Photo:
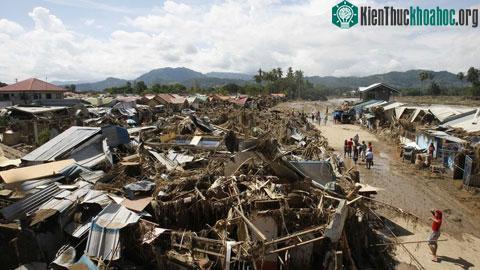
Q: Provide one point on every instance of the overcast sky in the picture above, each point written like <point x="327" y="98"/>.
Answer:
<point x="90" y="40"/>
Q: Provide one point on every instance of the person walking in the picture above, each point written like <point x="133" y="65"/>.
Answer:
<point x="433" y="238"/>
<point x="325" y="119"/>
<point x="369" y="159"/>
<point x="364" y="150"/>
<point x="345" y="148"/>
<point x="355" y="153"/>
<point x="356" y="139"/>
<point x="349" y="147"/>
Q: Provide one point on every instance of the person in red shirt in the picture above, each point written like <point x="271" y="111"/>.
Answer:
<point x="350" y="147"/>
<point x="432" y="239"/>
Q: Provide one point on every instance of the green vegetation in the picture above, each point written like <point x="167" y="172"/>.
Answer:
<point x="43" y="136"/>
<point x="294" y="84"/>
<point x="473" y="77"/>
<point x="71" y="87"/>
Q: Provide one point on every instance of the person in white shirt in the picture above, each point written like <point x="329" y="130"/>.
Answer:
<point x="369" y="158"/>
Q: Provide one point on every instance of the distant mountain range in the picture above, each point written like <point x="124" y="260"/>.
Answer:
<point x="189" y="78"/>
<point x="399" y="80"/>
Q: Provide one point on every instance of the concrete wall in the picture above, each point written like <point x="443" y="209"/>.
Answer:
<point x="28" y="97"/>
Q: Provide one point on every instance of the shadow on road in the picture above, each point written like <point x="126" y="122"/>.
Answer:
<point x="396" y="229"/>
<point x="464" y="264"/>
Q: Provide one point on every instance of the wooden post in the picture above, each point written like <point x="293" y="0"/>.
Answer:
<point x="338" y="260"/>
<point x="35" y="131"/>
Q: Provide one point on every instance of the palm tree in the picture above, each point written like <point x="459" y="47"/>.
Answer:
<point x="298" y="75"/>
<point x="425" y="75"/>
<point x="279" y="73"/>
<point x="290" y="73"/>
<point x="259" y="77"/>
<point x="461" y="76"/>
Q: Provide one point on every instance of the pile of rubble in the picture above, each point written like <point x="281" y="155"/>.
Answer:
<point x="223" y="188"/>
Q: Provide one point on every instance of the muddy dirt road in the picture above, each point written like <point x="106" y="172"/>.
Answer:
<point x="414" y="191"/>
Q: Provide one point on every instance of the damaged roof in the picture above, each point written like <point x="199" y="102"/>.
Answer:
<point x="37" y="110"/>
<point x="30" y="204"/>
<point x="61" y="144"/>
<point x="375" y="85"/>
<point x="468" y="121"/>
<point x="104" y="237"/>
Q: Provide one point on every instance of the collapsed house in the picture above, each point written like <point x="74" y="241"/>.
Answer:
<point x="219" y="189"/>
<point x="30" y="124"/>
<point x="452" y="130"/>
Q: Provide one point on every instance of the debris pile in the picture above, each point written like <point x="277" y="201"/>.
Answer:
<point x="221" y="188"/>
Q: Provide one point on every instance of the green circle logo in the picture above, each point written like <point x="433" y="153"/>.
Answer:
<point x="344" y="15"/>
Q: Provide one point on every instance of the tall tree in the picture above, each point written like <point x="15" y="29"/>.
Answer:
<point x="473" y="76"/>
<point x="434" y="89"/>
<point x="424" y="76"/>
<point x="140" y="87"/>
<point x="259" y="76"/>
<point x="290" y="73"/>
<point x="279" y="73"/>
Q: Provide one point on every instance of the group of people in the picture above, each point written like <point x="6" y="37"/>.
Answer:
<point x="354" y="149"/>
<point x="318" y="117"/>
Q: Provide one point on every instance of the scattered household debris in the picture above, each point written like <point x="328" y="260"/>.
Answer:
<point x="228" y="186"/>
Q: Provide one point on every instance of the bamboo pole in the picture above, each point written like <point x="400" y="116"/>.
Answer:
<point x="297" y="245"/>
<point x="407" y="242"/>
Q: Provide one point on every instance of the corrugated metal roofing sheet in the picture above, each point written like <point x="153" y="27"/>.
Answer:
<point x="104" y="237"/>
<point x="392" y="106"/>
<point x="116" y="216"/>
<point x="56" y="204"/>
<point x="31" y="203"/>
<point x="35" y="110"/>
<point x="375" y="85"/>
<point x="363" y="104"/>
<point x="469" y="122"/>
<point x="104" y="243"/>
<point x="61" y="144"/>
<point x="376" y="104"/>
<point x="444" y="112"/>
<point x="77" y="230"/>
<point x="97" y="196"/>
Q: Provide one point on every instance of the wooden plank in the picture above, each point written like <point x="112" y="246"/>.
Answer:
<point x="35" y="172"/>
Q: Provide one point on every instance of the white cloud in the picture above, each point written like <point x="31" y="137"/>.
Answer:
<point x="89" y="22"/>
<point x="176" y="8"/>
<point x="234" y="35"/>
<point x="45" y="21"/>
<point x="91" y="4"/>
<point x="10" y="28"/>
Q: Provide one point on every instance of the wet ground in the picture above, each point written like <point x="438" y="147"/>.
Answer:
<point x="415" y="191"/>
